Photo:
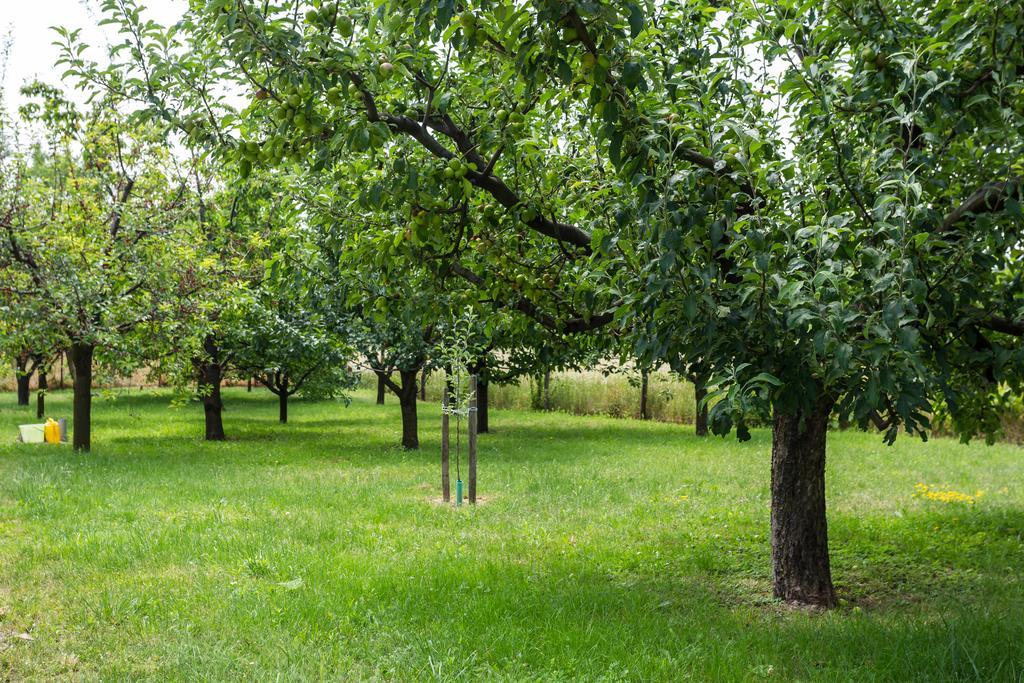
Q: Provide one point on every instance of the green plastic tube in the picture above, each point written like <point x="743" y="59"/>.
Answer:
<point x="458" y="492"/>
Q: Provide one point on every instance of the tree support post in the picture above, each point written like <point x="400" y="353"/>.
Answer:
<point x="472" y="440"/>
<point x="446" y="490"/>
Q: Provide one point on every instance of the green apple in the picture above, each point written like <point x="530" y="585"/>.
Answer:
<point x="344" y="26"/>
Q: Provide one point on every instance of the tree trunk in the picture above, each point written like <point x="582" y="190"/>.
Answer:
<point x="799" y="528"/>
<point x="381" y="388"/>
<point x="547" y="389"/>
<point x="23" y="377"/>
<point x="81" y="356"/>
<point x="248" y="386"/>
<point x="41" y="395"/>
<point x="213" y="406"/>
<point x="644" y="376"/>
<point x="210" y="376"/>
<point x="407" y="400"/>
<point x="423" y="384"/>
<point x="481" y="407"/>
<point x="282" y="401"/>
<point x="701" y="416"/>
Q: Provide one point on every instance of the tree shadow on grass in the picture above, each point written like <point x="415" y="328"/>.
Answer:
<point x="574" y="619"/>
<point x="572" y="440"/>
<point x="930" y="556"/>
<point x="359" y="443"/>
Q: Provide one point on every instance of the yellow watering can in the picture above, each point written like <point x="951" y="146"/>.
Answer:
<point x="51" y="431"/>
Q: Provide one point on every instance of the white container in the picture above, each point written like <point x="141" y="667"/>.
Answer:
<point x="31" y="433"/>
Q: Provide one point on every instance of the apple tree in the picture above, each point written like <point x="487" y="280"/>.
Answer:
<point x="90" y="243"/>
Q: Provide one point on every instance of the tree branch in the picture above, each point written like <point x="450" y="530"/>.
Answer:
<point x="488" y="182"/>
<point x="998" y="323"/>
<point x="527" y="307"/>
<point x="988" y="198"/>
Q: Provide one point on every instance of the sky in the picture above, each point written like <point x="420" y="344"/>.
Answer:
<point x="27" y="23"/>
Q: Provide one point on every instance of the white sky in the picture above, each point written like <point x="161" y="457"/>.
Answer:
<point x="32" y="55"/>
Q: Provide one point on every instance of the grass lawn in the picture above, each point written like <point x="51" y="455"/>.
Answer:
<point x="606" y="550"/>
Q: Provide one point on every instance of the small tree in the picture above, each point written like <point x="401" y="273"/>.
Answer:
<point x="456" y="354"/>
<point x="286" y="345"/>
<point x="395" y="330"/>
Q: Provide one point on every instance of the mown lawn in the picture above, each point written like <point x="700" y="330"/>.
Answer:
<point x="606" y="550"/>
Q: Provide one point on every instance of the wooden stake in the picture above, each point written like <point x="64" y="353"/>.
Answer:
<point x="446" y="492"/>
<point x="472" y="439"/>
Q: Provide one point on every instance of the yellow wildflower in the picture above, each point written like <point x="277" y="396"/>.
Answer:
<point x="944" y="494"/>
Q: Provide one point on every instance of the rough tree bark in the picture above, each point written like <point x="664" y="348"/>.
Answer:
<point x="423" y="384"/>
<point x="799" y="528"/>
<point x="480" y="370"/>
<point x="482" y="425"/>
<point x="24" y="377"/>
<point x="81" y="357"/>
<point x="210" y="375"/>
<point x="701" y="417"/>
<point x="282" y="400"/>
<point x="41" y="395"/>
<point x="407" y="400"/>
<point x="381" y="388"/>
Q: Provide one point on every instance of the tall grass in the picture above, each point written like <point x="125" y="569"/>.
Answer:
<point x="670" y="399"/>
<point x="585" y="393"/>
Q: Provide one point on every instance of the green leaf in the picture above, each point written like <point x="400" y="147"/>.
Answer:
<point x="765" y="378"/>
<point x="636" y="18"/>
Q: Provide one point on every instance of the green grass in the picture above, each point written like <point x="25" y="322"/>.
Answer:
<point x="606" y="550"/>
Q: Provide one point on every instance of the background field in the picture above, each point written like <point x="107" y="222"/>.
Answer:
<point x="606" y="550"/>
